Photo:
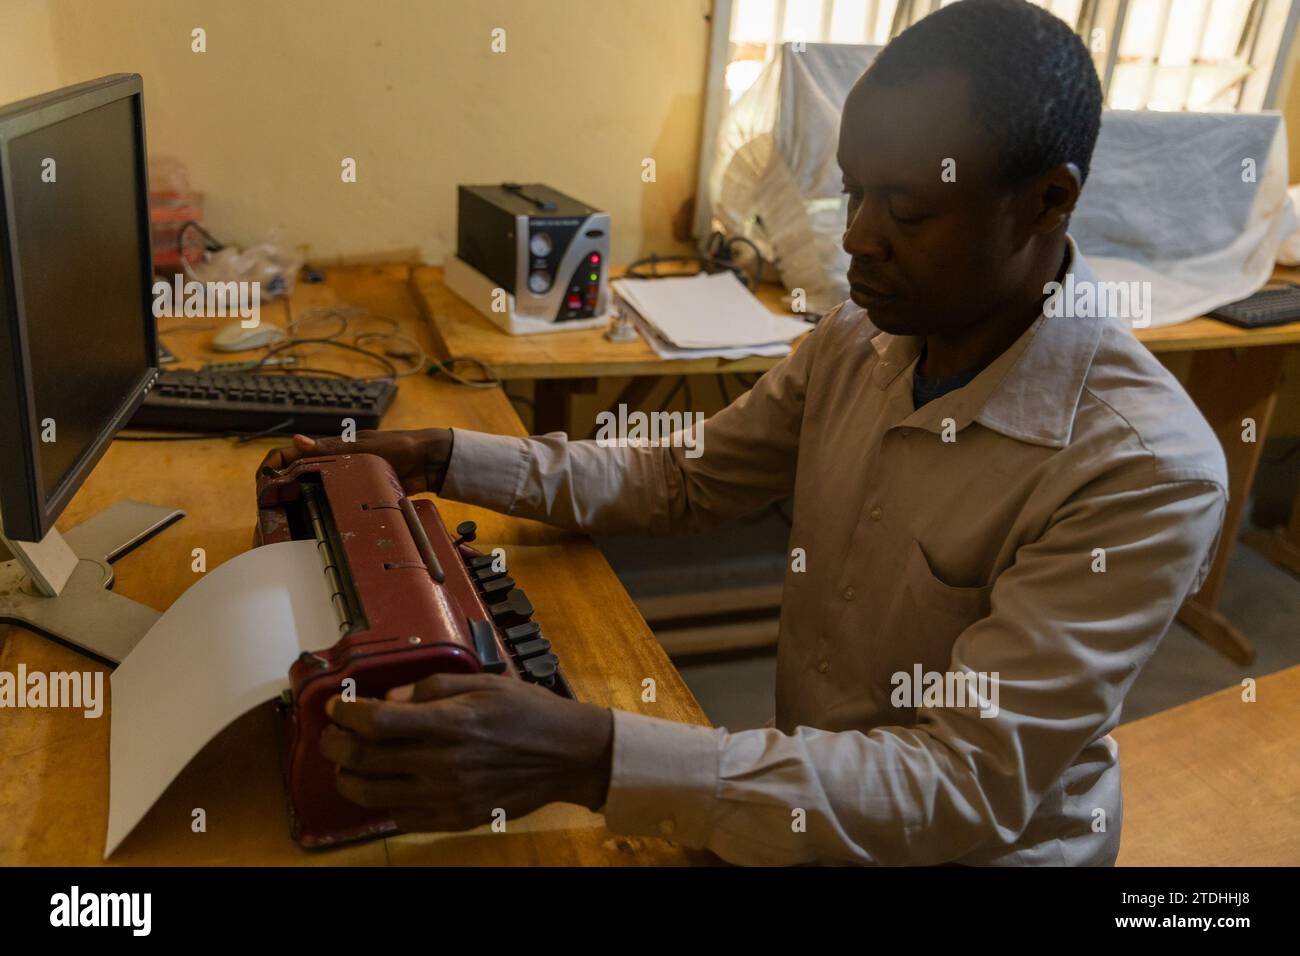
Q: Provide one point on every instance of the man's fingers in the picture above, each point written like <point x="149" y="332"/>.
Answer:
<point x="323" y="446"/>
<point x="440" y="686"/>
<point x="277" y="458"/>
<point x="379" y="793"/>
<point x="370" y="757"/>
<point x="389" y="720"/>
<point x="284" y="456"/>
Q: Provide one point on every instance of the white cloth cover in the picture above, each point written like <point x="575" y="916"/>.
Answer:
<point x="1194" y="203"/>
<point x="775" y="179"/>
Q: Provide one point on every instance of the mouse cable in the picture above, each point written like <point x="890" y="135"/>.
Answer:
<point x="717" y="255"/>
<point x="333" y="343"/>
<point x="210" y="242"/>
<point x="445" y="369"/>
<point x="345" y="314"/>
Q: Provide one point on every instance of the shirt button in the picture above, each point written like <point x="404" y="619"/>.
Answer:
<point x="876" y="513"/>
<point x="849" y="594"/>
<point x="667" y="827"/>
<point x="823" y="667"/>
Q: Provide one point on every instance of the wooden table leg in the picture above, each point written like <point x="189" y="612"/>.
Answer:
<point x="634" y="393"/>
<point x="551" y="398"/>
<point x="1230" y="385"/>
<point x="550" y="405"/>
<point x="1280" y="545"/>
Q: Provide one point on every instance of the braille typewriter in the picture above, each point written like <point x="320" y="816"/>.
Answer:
<point x="410" y="599"/>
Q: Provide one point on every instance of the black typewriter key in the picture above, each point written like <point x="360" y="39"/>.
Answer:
<point x="522" y="632"/>
<point x="466" y="532"/>
<point x="535" y="648"/>
<point x="480" y="561"/>
<point x="499" y="586"/>
<point x="515" y="605"/>
<point x="487" y="574"/>
<point x="541" y="669"/>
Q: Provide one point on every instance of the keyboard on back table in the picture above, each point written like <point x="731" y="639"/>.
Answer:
<point x="249" y="402"/>
<point x="1272" y="305"/>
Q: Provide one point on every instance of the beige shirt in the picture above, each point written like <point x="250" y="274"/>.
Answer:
<point x="1046" y="546"/>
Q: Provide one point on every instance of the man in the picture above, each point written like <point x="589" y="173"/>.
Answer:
<point x="984" y="489"/>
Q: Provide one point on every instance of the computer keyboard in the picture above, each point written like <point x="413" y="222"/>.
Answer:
<point x="1270" y="306"/>
<point x="250" y="402"/>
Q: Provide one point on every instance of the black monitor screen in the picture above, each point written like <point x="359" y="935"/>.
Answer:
<point x="76" y="232"/>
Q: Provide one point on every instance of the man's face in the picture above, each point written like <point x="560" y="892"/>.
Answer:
<point x="929" y="255"/>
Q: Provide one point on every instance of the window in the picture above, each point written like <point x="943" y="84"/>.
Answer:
<point x="1150" y="54"/>
<point x="1169" y="54"/>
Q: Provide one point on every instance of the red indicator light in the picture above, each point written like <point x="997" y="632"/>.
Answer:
<point x="594" y="257"/>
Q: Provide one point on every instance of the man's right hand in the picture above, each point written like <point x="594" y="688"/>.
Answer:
<point x="419" y="458"/>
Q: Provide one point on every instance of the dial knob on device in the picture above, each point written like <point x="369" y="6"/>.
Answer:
<point x="540" y="244"/>
<point x="539" y="281"/>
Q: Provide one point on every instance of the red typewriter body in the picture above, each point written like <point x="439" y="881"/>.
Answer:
<point x="410" y="601"/>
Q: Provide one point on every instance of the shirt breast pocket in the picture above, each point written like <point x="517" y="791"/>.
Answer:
<point x="923" y="621"/>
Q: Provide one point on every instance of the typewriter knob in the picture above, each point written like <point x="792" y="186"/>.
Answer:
<point x="467" y="531"/>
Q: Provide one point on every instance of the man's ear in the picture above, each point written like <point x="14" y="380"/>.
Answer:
<point x="1057" y="193"/>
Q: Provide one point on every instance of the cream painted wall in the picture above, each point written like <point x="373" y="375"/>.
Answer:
<point x="27" y="62"/>
<point x="585" y="91"/>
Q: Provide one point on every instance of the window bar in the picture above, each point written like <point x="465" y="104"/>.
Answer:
<point x="1083" y="26"/>
<point x="1249" y="42"/>
<point x="902" y="17"/>
<point x="1084" y="23"/>
<point x="1249" y="28"/>
<point x="869" y="27"/>
<point x="1165" y="7"/>
<point x="1112" y="48"/>
<point x="1198" y="51"/>
<point x="1279" y="65"/>
<point x="778" y="28"/>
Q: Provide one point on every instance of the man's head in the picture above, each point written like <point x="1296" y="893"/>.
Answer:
<point x="964" y="147"/>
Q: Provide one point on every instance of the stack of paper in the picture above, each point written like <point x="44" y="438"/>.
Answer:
<point x="706" y="315"/>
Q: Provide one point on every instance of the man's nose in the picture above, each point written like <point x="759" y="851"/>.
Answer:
<point x="863" y="238"/>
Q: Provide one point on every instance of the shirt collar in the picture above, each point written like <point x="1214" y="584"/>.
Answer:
<point x="1030" y="392"/>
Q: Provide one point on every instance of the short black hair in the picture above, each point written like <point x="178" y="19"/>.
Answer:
<point x="1033" y="82"/>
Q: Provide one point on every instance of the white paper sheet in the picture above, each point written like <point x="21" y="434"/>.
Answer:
<point x="224" y="647"/>
<point x="707" y="311"/>
<point x="666" y="350"/>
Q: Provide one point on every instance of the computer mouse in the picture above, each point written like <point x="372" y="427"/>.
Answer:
<point x="233" y="337"/>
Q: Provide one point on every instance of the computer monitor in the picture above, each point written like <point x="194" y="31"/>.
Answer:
<point x="78" y="351"/>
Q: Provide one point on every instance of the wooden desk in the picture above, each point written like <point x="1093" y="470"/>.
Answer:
<point x="54" y="763"/>
<point x="1215" y="781"/>
<point x="1235" y="374"/>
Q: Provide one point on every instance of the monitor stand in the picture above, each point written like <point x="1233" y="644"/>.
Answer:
<point x="60" y="585"/>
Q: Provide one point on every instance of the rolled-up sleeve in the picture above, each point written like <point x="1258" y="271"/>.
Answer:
<point x="1063" y="642"/>
<point x="744" y="459"/>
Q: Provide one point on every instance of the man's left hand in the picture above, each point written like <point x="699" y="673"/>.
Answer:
<point x="445" y="753"/>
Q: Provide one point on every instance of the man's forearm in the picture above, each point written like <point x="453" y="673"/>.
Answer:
<point x="578" y="485"/>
